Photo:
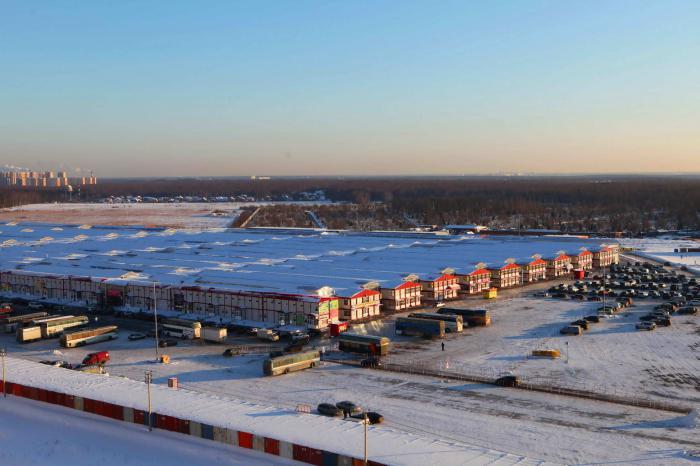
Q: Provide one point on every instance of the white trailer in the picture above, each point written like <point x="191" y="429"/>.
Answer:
<point x="214" y="334"/>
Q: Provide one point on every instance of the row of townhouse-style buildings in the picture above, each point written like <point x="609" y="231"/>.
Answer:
<point x="315" y="311"/>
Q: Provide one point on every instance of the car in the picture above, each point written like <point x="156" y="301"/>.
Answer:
<point x="645" y="326"/>
<point x="100" y="357"/>
<point x="300" y="339"/>
<point x="58" y="363"/>
<point x="372" y="362"/>
<point x="229" y="352"/>
<point x="508" y="381"/>
<point x="687" y="310"/>
<point x="662" y="321"/>
<point x="592" y="319"/>
<point x="595" y="298"/>
<point x="571" y="330"/>
<point x="136" y="336"/>
<point x="252" y="331"/>
<point x="583" y="323"/>
<point x="542" y="294"/>
<point x="328" y="409"/>
<point x="372" y="417"/>
<point x="349" y="407"/>
<point x="167" y="343"/>
<point x="440" y="304"/>
<point x="35" y="306"/>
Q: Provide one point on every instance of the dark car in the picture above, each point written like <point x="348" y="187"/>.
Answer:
<point x="136" y="336"/>
<point x="371" y="362"/>
<point x="592" y="319"/>
<point x="583" y="323"/>
<point x="59" y="363"/>
<point x="229" y="352"/>
<point x="372" y="417"/>
<point x="647" y="317"/>
<point x="328" y="409"/>
<point x="167" y="343"/>
<point x="508" y="381"/>
<point x="662" y="321"/>
<point x="348" y="406"/>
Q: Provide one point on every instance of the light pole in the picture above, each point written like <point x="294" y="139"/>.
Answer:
<point x="3" y="353"/>
<point x="149" y="379"/>
<point x="366" y="421"/>
<point x="155" y="317"/>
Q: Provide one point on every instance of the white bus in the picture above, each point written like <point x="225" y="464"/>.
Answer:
<point x="453" y="323"/>
<point x="180" y="328"/>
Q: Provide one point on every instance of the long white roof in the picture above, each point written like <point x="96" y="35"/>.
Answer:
<point x="298" y="262"/>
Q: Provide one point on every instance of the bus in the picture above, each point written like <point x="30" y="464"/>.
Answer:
<point x="368" y="344"/>
<point x="88" y="336"/>
<point x="426" y="328"/>
<point x="291" y="362"/>
<point x="453" y="323"/>
<point x="10" y="324"/>
<point x="55" y="327"/>
<point x="181" y="328"/>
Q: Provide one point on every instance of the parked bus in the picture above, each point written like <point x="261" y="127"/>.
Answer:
<point x="367" y="344"/>
<point x="426" y="328"/>
<point x="291" y="362"/>
<point x="453" y="323"/>
<point x="10" y="324"/>
<point x="55" y="327"/>
<point x="181" y="328"/>
<point x="87" y="337"/>
<point x="472" y="317"/>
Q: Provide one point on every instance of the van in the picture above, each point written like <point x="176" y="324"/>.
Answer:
<point x="101" y="357"/>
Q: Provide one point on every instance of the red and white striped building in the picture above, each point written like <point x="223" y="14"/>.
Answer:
<point x="439" y="287"/>
<point x="406" y="295"/>
<point x="475" y="281"/>
<point x="558" y="265"/>
<point x="532" y="269"/>
<point x="506" y="275"/>
<point x="361" y="305"/>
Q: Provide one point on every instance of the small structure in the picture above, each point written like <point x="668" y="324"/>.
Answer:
<point x="532" y="269"/>
<point x="505" y="275"/>
<point x="404" y="295"/>
<point x="439" y="287"/>
<point x="475" y="281"/>
<point x="558" y="265"/>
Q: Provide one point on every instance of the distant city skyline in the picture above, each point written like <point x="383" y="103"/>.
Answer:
<point x="374" y="88"/>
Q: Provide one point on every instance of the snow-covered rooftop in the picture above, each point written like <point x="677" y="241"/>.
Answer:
<point x="258" y="260"/>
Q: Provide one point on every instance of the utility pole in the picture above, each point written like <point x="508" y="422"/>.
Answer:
<point x="3" y="353"/>
<point x="155" y="317"/>
<point x="149" y="379"/>
<point x="567" y="352"/>
<point x="366" y="422"/>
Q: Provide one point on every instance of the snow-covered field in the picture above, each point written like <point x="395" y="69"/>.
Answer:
<point x="611" y="358"/>
<point x="662" y="249"/>
<point x="33" y="433"/>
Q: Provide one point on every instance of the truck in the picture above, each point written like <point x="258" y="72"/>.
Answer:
<point x="100" y="357"/>
<point x="425" y="328"/>
<point x="472" y="317"/>
<point x="267" y="334"/>
<point x="214" y="334"/>
<point x="89" y="336"/>
<point x="28" y="334"/>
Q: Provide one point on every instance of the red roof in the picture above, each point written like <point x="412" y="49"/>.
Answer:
<point x="479" y="272"/>
<point x="365" y="292"/>
<point x="443" y="277"/>
<point x="510" y="266"/>
<point x="405" y="285"/>
<point x="585" y="253"/>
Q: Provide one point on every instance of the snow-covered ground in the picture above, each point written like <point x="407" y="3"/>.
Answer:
<point x="662" y="249"/>
<point x="33" y="433"/>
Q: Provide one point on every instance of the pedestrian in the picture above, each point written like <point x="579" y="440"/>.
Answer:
<point x="443" y="345"/>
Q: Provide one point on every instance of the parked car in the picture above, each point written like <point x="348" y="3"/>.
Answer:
<point x="58" y="363"/>
<point x="35" y="306"/>
<point x="327" y="409"/>
<point x="136" y="336"/>
<point x="372" y="417"/>
<point x="688" y="310"/>
<point x="662" y="321"/>
<point x="571" y="330"/>
<point x="100" y="357"/>
<point x="349" y="406"/>
<point x="372" y="362"/>
<point x="229" y="352"/>
<point x="166" y="343"/>
<point x="592" y="319"/>
<point x="508" y="381"/>
<point x="645" y="326"/>
<point x="583" y="323"/>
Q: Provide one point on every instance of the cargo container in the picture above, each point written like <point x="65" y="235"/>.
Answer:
<point x="181" y="328"/>
<point x="290" y="363"/>
<point x="425" y="328"/>
<point x="366" y="344"/>
<point x="28" y="334"/>
<point x="547" y="353"/>
<point x="214" y="334"/>
<point x="453" y="322"/>
<point x="338" y="328"/>
<point x="86" y="337"/>
<point x="472" y="317"/>
<point x="491" y="293"/>
<point x="9" y="324"/>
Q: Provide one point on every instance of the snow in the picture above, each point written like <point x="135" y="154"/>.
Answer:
<point x="344" y="437"/>
<point x="259" y="260"/>
<point x="662" y="249"/>
<point x="45" y="435"/>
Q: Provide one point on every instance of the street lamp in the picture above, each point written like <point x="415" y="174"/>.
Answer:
<point x="366" y="422"/>
<point x="3" y="353"/>
<point x="149" y="379"/>
<point x="155" y="317"/>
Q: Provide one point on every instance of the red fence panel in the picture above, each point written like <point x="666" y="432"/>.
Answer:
<point x="183" y="426"/>
<point x="245" y="440"/>
<point x="272" y="446"/>
<point x="140" y="417"/>
<point x="69" y="401"/>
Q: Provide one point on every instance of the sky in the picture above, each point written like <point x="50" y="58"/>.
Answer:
<point x="177" y="88"/>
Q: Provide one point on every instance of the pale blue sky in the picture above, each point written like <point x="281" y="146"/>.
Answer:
<point x="350" y="87"/>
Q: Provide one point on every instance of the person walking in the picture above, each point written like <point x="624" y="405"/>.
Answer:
<point x="443" y="345"/>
